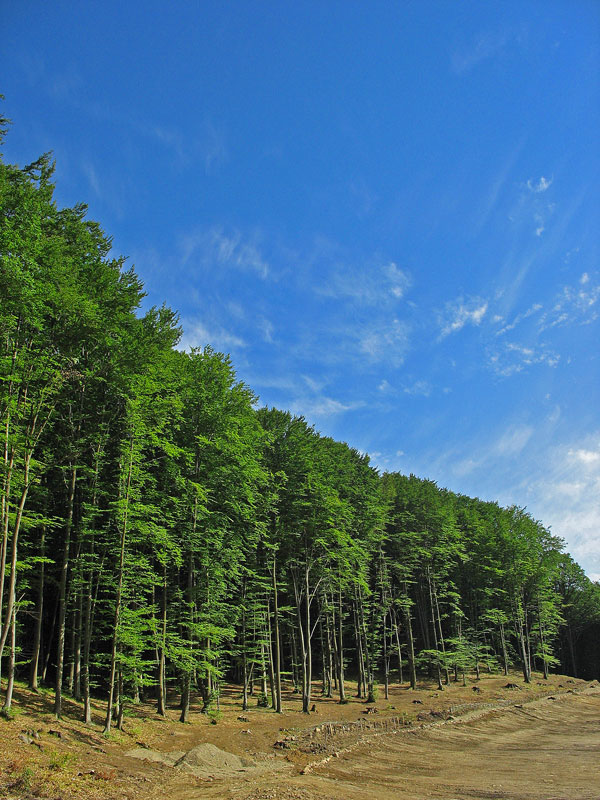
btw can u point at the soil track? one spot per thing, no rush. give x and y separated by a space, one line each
547 749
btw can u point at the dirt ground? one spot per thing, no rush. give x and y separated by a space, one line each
484 740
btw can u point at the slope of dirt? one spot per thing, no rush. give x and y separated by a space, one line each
484 740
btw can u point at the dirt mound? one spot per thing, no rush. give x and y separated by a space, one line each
208 757
203 759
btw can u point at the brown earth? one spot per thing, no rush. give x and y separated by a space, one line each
480 741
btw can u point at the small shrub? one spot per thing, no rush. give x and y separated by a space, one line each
58 761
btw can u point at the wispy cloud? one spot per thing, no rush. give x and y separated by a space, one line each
422 388
266 328
369 284
513 440
92 176
486 45
385 340
534 309
566 490
533 204
462 312
216 247
511 358
574 305
542 185
197 334
324 407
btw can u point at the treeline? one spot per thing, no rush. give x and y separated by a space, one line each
159 533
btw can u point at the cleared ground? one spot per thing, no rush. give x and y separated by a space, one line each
486 740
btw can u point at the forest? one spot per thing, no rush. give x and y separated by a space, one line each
162 534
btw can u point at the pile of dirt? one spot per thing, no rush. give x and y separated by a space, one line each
204 759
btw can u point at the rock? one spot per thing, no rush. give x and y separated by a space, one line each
418 702
25 738
285 743
243 719
511 686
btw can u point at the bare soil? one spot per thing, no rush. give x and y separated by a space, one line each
480 741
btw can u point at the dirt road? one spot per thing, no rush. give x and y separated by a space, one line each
544 750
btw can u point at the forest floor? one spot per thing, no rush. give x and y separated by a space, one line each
484 740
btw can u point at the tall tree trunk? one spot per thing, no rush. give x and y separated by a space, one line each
118 598
340 651
13 563
39 610
161 695
441 634
277 641
62 595
410 653
434 629
11 665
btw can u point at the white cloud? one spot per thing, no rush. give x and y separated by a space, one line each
540 225
513 440
369 285
313 384
586 457
231 250
323 406
196 334
385 341
461 313
519 318
266 328
92 176
422 388
541 186
574 304
566 492
585 278
512 358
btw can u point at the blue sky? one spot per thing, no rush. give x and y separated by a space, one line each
387 212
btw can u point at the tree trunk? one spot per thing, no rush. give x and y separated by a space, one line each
161 695
11 666
340 651
39 610
118 599
62 595
276 637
